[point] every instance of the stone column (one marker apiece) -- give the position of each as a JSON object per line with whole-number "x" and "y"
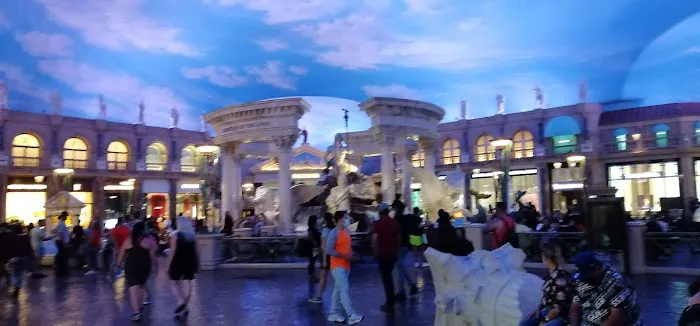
{"x": 284, "y": 156}
{"x": 635, "y": 243}
{"x": 98, "y": 199}
{"x": 597, "y": 173}
{"x": 137, "y": 197}
{"x": 3, "y": 197}
{"x": 428, "y": 147}
{"x": 172, "y": 199}
{"x": 226, "y": 161}
{"x": 545, "y": 186}
{"x": 406, "y": 169}
{"x": 687, "y": 183}
{"x": 466, "y": 190}
{"x": 387, "y": 142}
{"x": 236, "y": 183}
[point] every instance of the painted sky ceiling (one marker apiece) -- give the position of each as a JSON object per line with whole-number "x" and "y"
{"x": 199, "y": 55}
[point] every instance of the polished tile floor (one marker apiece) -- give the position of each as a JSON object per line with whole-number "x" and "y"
{"x": 260, "y": 297}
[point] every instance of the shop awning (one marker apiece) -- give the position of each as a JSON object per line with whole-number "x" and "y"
{"x": 63, "y": 201}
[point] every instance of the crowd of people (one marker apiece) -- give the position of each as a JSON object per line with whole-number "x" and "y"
{"x": 130, "y": 249}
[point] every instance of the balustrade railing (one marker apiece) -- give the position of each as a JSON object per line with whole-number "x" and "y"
{"x": 672, "y": 249}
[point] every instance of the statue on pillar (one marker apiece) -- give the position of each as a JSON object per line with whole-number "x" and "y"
{"x": 500, "y": 104}
{"x": 539, "y": 97}
{"x": 56, "y": 103}
{"x": 583, "y": 91}
{"x": 174, "y": 117}
{"x": 142, "y": 108}
{"x": 202, "y": 124}
{"x": 3, "y": 95}
{"x": 304, "y": 134}
{"x": 103, "y": 107}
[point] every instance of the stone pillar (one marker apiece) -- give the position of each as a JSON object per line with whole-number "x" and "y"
{"x": 226, "y": 161}
{"x": 688, "y": 182}
{"x": 387, "y": 142}
{"x": 284, "y": 156}
{"x": 206, "y": 249}
{"x": 406, "y": 168}
{"x": 172, "y": 199}
{"x": 545, "y": 186}
{"x": 597, "y": 173}
{"x": 466, "y": 190}
{"x": 636, "y": 248}
{"x": 98, "y": 199}
{"x": 236, "y": 183}
{"x": 428, "y": 147}
{"x": 3, "y": 197}
{"x": 137, "y": 197}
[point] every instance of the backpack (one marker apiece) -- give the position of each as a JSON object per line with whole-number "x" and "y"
{"x": 510, "y": 236}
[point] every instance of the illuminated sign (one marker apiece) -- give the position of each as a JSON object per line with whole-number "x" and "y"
{"x": 189, "y": 186}
{"x": 25, "y": 187}
{"x": 306, "y": 175}
{"x": 118, "y": 188}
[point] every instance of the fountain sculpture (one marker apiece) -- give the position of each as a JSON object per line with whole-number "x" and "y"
{"x": 486, "y": 288}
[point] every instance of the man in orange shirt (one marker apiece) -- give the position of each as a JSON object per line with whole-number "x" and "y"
{"x": 339, "y": 247}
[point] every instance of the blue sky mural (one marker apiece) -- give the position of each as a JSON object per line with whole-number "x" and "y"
{"x": 200, "y": 55}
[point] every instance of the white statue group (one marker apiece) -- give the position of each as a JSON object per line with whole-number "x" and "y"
{"x": 539, "y": 100}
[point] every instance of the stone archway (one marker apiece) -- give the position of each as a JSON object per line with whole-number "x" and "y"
{"x": 274, "y": 121}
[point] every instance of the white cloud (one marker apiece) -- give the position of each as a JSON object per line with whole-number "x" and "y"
{"x": 288, "y": 11}
{"x": 17, "y": 80}
{"x": 421, "y": 6}
{"x": 218, "y": 75}
{"x": 473, "y": 24}
{"x": 117, "y": 25}
{"x": 298, "y": 70}
{"x": 124, "y": 90}
{"x": 272, "y": 45}
{"x": 272, "y": 73}
{"x": 39, "y": 44}
{"x": 393, "y": 90}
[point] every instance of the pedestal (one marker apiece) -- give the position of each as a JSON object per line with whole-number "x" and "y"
{"x": 206, "y": 250}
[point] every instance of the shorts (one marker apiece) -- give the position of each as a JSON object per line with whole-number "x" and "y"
{"x": 328, "y": 263}
{"x": 415, "y": 240}
{"x": 180, "y": 275}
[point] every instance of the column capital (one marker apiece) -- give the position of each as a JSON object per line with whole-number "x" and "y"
{"x": 285, "y": 142}
{"x": 427, "y": 144}
{"x": 229, "y": 148}
{"x": 387, "y": 137}
{"x": 237, "y": 158}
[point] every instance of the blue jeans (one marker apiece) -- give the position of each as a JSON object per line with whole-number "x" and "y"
{"x": 18, "y": 266}
{"x": 403, "y": 264}
{"x": 340, "y": 301}
{"x": 537, "y": 318}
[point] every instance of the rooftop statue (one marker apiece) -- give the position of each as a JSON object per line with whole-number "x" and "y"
{"x": 3, "y": 95}
{"x": 56, "y": 102}
{"x": 103, "y": 107}
{"x": 539, "y": 97}
{"x": 485, "y": 288}
{"x": 174, "y": 118}
{"x": 500, "y": 104}
{"x": 142, "y": 108}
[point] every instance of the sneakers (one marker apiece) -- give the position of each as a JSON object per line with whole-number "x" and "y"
{"x": 90, "y": 272}
{"x": 136, "y": 317}
{"x": 355, "y": 319}
{"x": 315, "y": 300}
{"x": 333, "y": 318}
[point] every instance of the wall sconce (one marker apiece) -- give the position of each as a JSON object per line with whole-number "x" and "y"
{"x": 475, "y": 171}
{"x": 557, "y": 165}
{"x": 636, "y": 136}
{"x": 39, "y": 179}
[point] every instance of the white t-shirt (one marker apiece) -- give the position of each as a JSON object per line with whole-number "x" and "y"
{"x": 62, "y": 232}
{"x": 37, "y": 236}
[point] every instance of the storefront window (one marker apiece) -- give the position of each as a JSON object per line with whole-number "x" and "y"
{"x": 484, "y": 150}
{"x": 564, "y": 144}
{"x": 526, "y": 183}
{"x": 523, "y": 144}
{"x": 157, "y": 205}
{"x": 117, "y": 156}
{"x": 418, "y": 159}
{"x": 26, "y": 207}
{"x": 75, "y": 154}
{"x": 188, "y": 205}
{"x": 450, "y": 152}
{"x": 25, "y": 150}
{"x": 644, "y": 186}
{"x": 621, "y": 142}
{"x": 156, "y": 157}
{"x": 486, "y": 186}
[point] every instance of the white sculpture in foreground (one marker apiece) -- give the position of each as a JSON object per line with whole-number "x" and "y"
{"x": 486, "y": 288}
{"x": 436, "y": 194}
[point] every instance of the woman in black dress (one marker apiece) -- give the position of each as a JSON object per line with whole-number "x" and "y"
{"x": 138, "y": 254}
{"x": 182, "y": 264}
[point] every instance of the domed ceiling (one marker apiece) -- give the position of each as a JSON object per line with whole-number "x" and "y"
{"x": 200, "y": 55}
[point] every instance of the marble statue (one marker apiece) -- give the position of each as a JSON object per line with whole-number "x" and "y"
{"x": 539, "y": 97}
{"x": 56, "y": 103}
{"x": 142, "y": 108}
{"x": 305, "y": 134}
{"x": 202, "y": 124}
{"x": 582, "y": 91}
{"x": 342, "y": 166}
{"x": 174, "y": 118}
{"x": 485, "y": 288}
{"x": 500, "y": 104}
{"x": 3, "y": 95}
{"x": 103, "y": 107}
{"x": 436, "y": 194}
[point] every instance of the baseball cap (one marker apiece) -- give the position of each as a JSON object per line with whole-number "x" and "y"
{"x": 586, "y": 262}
